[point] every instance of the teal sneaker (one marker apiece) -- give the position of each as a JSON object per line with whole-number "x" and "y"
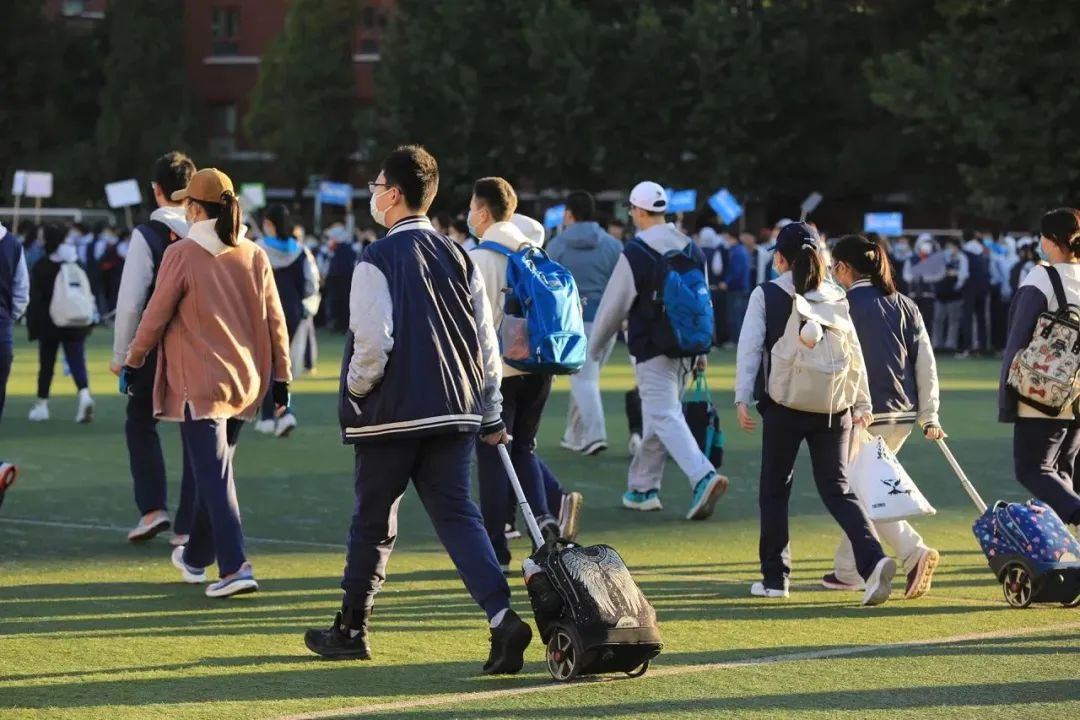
{"x": 706, "y": 493}
{"x": 642, "y": 501}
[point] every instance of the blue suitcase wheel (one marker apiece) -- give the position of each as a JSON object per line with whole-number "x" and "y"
{"x": 1017, "y": 584}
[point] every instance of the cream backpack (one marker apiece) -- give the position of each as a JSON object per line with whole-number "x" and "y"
{"x": 818, "y": 379}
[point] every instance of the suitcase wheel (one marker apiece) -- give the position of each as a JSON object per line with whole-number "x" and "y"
{"x": 1075, "y": 602}
{"x": 564, "y": 653}
{"x": 1018, "y": 586}
{"x": 639, "y": 671}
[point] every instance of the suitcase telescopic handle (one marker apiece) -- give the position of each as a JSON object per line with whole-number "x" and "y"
{"x": 523, "y": 503}
{"x": 968, "y": 487}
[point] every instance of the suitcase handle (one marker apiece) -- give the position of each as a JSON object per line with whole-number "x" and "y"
{"x": 523, "y": 503}
{"x": 968, "y": 487}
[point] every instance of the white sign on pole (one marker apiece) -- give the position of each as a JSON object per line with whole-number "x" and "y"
{"x": 18, "y": 183}
{"x": 123, "y": 193}
{"x": 39, "y": 184}
{"x": 252, "y": 195}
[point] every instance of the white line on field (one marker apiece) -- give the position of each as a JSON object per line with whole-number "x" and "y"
{"x": 469, "y": 697}
{"x": 117, "y": 528}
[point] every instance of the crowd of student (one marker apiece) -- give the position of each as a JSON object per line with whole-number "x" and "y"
{"x": 211, "y": 327}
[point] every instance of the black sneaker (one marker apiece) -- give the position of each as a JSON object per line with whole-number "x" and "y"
{"x": 508, "y": 643}
{"x": 338, "y": 643}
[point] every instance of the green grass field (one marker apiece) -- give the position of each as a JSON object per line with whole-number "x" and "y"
{"x": 92, "y": 627}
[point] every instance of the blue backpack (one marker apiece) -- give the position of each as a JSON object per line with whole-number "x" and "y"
{"x": 542, "y": 329}
{"x": 679, "y": 309}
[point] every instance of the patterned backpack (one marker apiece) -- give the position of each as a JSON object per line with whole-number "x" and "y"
{"x": 1044, "y": 374}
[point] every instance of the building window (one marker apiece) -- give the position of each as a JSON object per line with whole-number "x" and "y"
{"x": 225, "y": 30}
{"x": 74, "y": 7}
{"x": 221, "y": 128}
{"x": 369, "y": 45}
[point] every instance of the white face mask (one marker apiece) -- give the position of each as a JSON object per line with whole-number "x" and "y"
{"x": 378, "y": 215}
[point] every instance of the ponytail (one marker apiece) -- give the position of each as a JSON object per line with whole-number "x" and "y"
{"x": 807, "y": 269}
{"x": 227, "y": 226}
{"x": 867, "y": 259}
{"x": 1062, "y": 227}
{"x": 226, "y": 215}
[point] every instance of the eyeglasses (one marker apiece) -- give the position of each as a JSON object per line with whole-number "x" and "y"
{"x": 372, "y": 185}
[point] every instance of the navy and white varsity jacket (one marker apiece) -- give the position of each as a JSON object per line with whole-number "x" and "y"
{"x": 900, "y": 364}
{"x": 421, "y": 357}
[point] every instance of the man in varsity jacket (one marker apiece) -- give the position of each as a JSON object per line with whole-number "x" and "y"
{"x": 172, "y": 171}
{"x": 420, "y": 380}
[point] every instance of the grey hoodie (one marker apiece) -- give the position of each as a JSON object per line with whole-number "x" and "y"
{"x": 137, "y": 277}
{"x": 590, "y": 254}
{"x": 620, "y": 293}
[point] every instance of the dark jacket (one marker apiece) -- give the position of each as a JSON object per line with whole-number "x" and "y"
{"x": 421, "y": 357}
{"x": 38, "y": 321}
{"x": 737, "y": 269}
{"x": 900, "y": 364}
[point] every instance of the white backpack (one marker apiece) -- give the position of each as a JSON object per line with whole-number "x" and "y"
{"x": 817, "y": 379}
{"x": 72, "y": 304}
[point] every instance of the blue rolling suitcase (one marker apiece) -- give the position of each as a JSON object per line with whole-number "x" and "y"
{"x": 1030, "y": 550}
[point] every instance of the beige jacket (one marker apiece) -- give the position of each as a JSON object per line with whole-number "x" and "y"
{"x": 216, "y": 314}
{"x": 492, "y": 267}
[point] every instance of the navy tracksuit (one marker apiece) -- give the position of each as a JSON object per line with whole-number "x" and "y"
{"x": 209, "y": 447}
{"x": 828, "y": 439}
{"x": 524, "y": 397}
{"x": 1045, "y": 449}
{"x": 10, "y": 255}
{"x": 420, "y": 420}
{"x": 145, "y": 456}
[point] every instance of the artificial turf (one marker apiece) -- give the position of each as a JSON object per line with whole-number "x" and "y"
{"x": 93, "y": 627}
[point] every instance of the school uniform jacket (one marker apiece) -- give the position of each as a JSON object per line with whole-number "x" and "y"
{"x": 900, "y": 365}
{"x": 1034, "y": 297}
{"x": 766, "y": 318}
{"x": 421, "y": 357}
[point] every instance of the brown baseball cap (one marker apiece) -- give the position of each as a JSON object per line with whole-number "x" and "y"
{"x": 208, "y": 185}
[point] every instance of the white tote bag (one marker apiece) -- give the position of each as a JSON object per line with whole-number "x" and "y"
{"x": 883, "y": 487}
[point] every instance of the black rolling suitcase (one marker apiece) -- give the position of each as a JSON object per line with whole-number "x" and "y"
{"x": 592, "y": 616}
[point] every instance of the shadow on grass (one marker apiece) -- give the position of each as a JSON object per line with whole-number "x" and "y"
{"x": 942, "y": 696}
{"x": 306, "y": 677}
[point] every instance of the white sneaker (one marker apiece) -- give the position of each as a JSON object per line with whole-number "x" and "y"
{"x": 40, "y": 411}
{"x": 85, "y": 413}
{"x": 511, "y": 532}
{"x": 635, "y": 444}
{"x": 285, "y": 425}
{"x": 191, "y": 575}
{"x": 178, "y": 540}
{"x": 879, "y": 585}
{"x": 571, "y": 446}
{"x": 758, "y": 589}
{"x": 266, "y": 427}
{"x": 149, "y": 525}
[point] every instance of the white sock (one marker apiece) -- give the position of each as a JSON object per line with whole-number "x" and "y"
{"x": 497, "y": 620}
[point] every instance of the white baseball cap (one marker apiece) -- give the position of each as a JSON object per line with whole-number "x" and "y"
{"x": 649, "y": 196}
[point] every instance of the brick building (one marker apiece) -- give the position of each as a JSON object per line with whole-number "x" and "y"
{"x": 224, "y": 43}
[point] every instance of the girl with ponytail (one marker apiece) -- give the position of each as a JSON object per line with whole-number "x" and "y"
{"x": 1045, "y": 447}
{"x": 827, "y": 434}
{"x": 902, "y": 376}
{"x": 216, "y": 315}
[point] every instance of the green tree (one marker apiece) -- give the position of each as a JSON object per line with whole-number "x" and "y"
{"x": 304, "y": 107}
{"x": 144, "y": 104}
{"x": 991, "y": 94}
{"x": 30, "y": 116}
